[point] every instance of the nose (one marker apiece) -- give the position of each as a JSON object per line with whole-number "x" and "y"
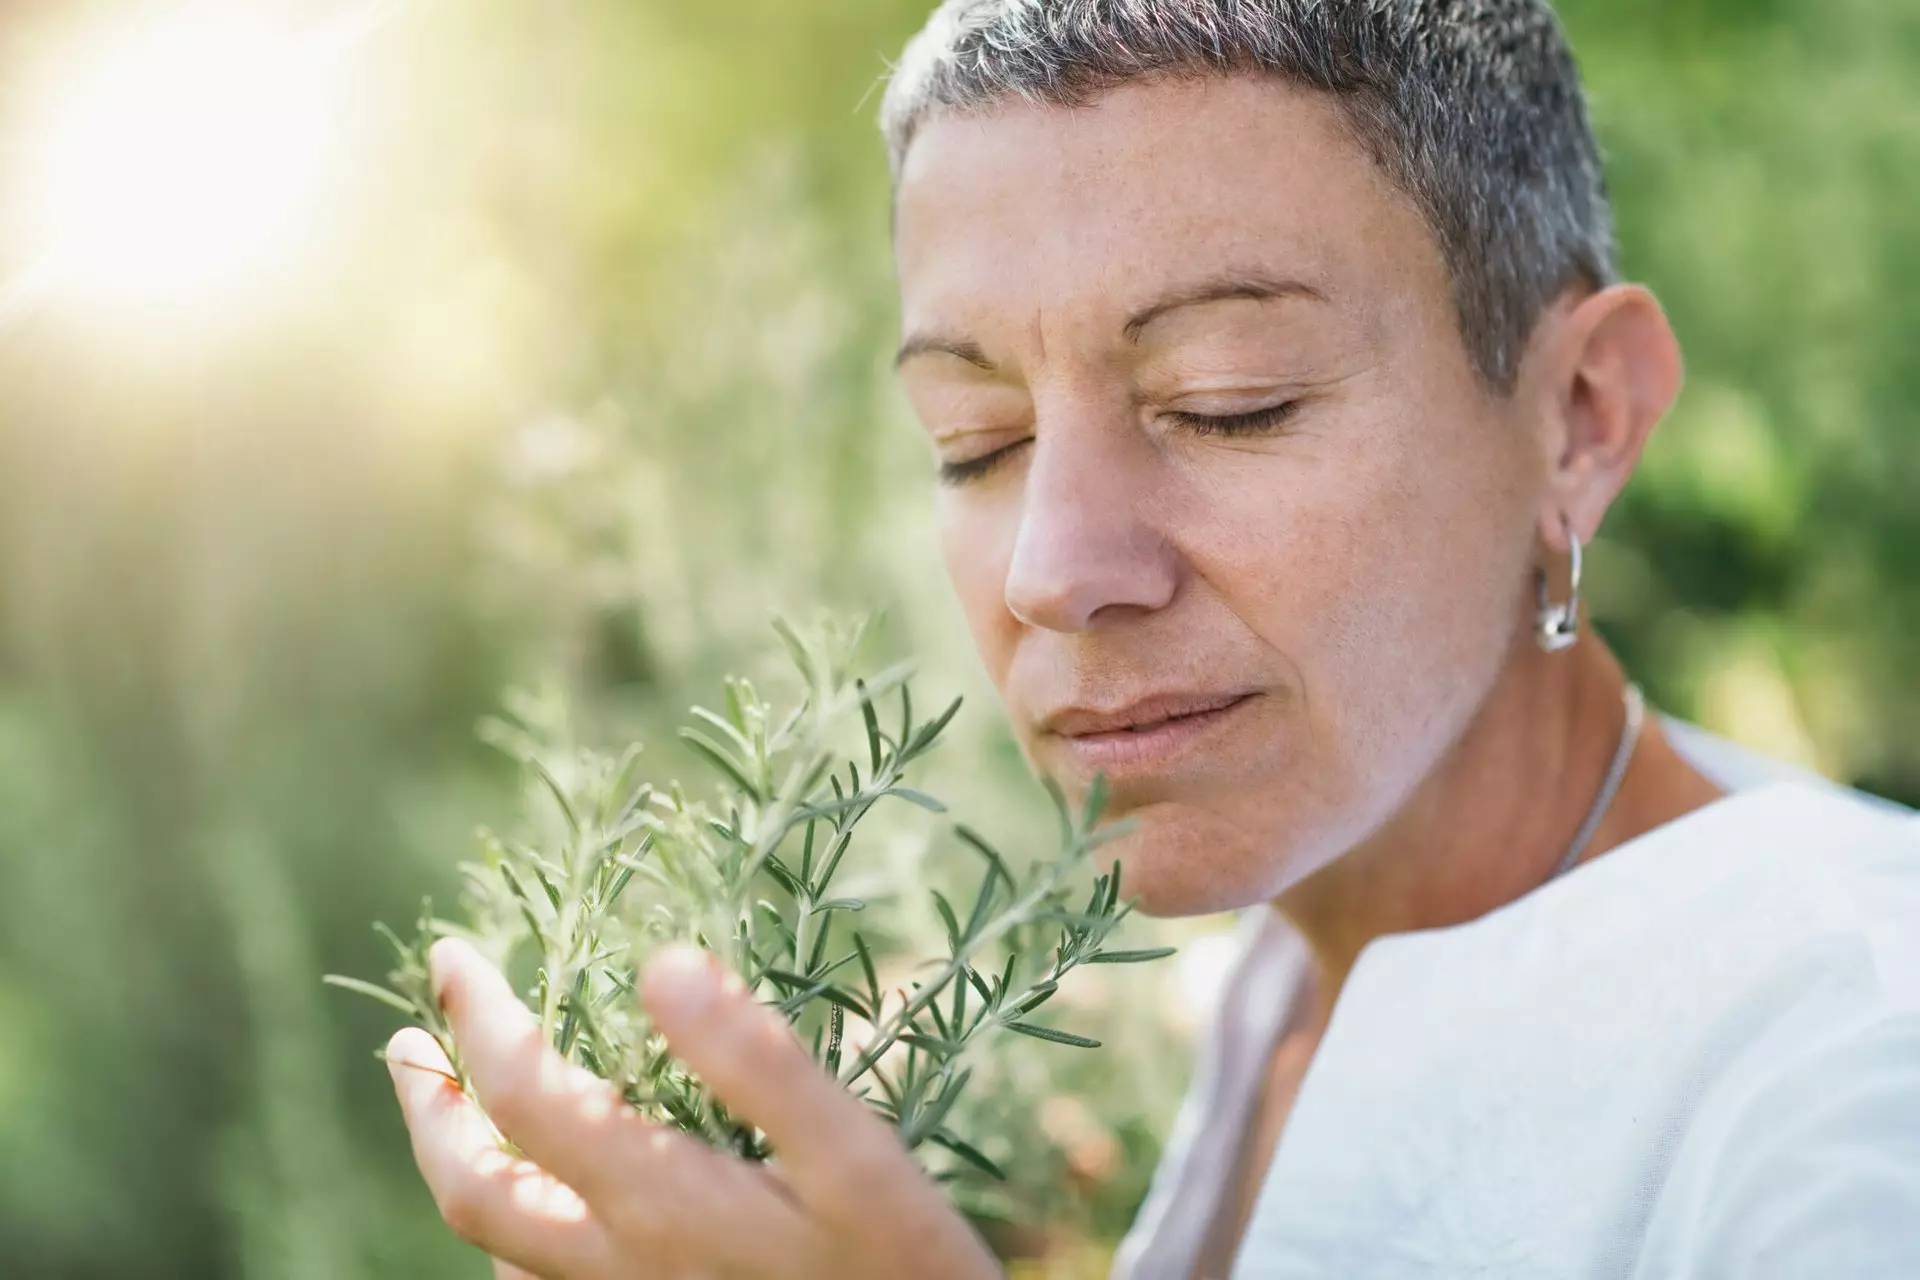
{"x": 1089, "y": 550}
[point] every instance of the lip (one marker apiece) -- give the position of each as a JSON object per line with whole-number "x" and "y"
{"x": 1144, "y": 735}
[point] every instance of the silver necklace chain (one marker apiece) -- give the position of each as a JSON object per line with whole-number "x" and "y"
{"x": 1622, "y": 755}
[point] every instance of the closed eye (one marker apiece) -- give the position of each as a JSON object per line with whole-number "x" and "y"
{"x": 1237, "y": 424}
{"x": 958, "y": 473}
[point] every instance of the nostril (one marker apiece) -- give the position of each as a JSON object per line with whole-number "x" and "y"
{"x": 1072, "y": 579}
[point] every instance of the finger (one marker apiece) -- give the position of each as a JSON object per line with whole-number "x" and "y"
{"x": 644, "y": 1183}
{"x": 507, "y": 1271}
{"x": 505, "y": 1205}
{"x": 830, "y": 1143}
{"x": 564, "y": 1117}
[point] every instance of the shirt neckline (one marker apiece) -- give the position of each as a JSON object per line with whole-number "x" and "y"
{"x": 1195, "y": 1202}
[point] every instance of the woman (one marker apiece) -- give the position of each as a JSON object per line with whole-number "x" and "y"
{"x": 1278, "y": 372}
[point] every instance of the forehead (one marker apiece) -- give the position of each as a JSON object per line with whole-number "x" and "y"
{"x": 1032, "y": 206}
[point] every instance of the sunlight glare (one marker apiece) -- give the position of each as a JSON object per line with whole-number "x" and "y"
{"x": 182, "y": 162}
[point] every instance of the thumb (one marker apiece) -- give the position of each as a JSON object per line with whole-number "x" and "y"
{"x": 749, "y": 1056}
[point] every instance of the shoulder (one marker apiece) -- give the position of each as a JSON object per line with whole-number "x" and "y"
{"x": 1803, "y": 1156}
{"x": 1842, "y": 869}
{"x": 1810, "y": 1167}
{"x": 1772, "y": 885}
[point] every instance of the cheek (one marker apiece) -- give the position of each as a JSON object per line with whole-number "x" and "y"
{"x": 977, "y": 550}
{"x": 1384, "y": 567}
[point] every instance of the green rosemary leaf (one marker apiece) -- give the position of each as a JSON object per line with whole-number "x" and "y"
{"x": 402, "y": 949}
{"x": 982, "y": 907}
{"x": 571, "y": 1008}
{"x": 513, "y": 881}
{"x": 968, "y": 1152}
{"x": 867, "y": 970}
{"x": 818, "y": 951}
{"x": 558, "y": 792}
{"x": 796, "y": 648}
{"x": 714, "y": 754}
{"x": 978, "y": 843}
{"x": 553, "y": 893}
{"x": 979, "y": 984}
{"x": 830, "y": 808}
{"x": 794, "y": 1003}
{"x": 871, "y": 718}
{"x": 727, "y": 727}
{"x": 1033, "y": 999}
{"x": 736, "y": 691}
{"x": 934, "y": 1114}
{"x": 930, "y": 732}
{"x": 920, "y": 798}
{"x": 841, "y": 998}
{"x": 524, "y": 900}
{"x": 1039, "y": 1032}
{"x": 842, "y": 842}
{"x": 374, "y": 991}
{"x": 1069, "y": 919}
{"x": 1129, "y": 957}
{"x": 947, "y": 918}
{"x": 641, "y": 864}
{"x": 932, "y": 1044}
{"x": 890, "y": 1095}
{"x": 622, "y": 877}
{"x": 1096, "y": 803}
{"x": 783, "y": 877}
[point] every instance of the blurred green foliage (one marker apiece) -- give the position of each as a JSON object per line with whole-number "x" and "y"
{"x": 584, "y": 380}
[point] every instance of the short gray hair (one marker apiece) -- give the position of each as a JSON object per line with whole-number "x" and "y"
{"x": 1473, "y": 107}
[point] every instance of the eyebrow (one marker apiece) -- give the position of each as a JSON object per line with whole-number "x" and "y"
{"x": 1218, "y": 289}
{"x": 933, "y": 344}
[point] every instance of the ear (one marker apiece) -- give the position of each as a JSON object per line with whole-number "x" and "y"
{"x": 1610, "y": 372}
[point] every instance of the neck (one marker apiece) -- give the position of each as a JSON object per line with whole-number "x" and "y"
{"x": 1496, "y": 817}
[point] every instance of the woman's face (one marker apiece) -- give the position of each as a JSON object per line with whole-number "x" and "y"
{"x": 1230, "y": 515}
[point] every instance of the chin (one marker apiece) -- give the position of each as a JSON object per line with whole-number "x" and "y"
{"x": 1181, "y": 861}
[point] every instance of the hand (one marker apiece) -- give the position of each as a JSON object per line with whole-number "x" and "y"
{"x": 604, "y": 1195}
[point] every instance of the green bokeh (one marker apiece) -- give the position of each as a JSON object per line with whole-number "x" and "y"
{"x": 583, "y": 379}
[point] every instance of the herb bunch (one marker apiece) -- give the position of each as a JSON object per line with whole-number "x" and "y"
{"x": 753, "y": 873}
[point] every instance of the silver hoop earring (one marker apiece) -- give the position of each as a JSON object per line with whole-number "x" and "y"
{"x": 1557, "y": 626}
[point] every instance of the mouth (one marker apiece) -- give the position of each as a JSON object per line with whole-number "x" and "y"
{"x": 1146, "y": 736}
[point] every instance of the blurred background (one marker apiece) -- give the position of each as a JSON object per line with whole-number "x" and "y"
{"x": 362, "y": 360}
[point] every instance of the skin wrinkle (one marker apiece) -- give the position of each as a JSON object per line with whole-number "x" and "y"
{"x": 1366, "y": 566}
{"x": 1406, "y": 757}
{"x": 1322, "y": 544}
{"x": 1473, "y": 110}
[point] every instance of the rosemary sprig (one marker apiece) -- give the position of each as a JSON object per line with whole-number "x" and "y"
{"x": 750, "y": 872}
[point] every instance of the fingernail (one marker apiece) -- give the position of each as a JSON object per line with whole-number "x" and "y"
{"x": 681, "y": 982}
{"x": 399, "y": 1059}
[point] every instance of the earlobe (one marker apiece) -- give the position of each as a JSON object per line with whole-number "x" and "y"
{"x": 1620, "y": 373}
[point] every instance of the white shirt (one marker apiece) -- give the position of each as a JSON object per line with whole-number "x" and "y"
{"x": 1697, "y": 1056}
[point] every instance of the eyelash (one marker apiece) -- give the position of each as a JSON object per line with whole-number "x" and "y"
{"x": 1237, "y": 424}
{"x": 959, "y": 473}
